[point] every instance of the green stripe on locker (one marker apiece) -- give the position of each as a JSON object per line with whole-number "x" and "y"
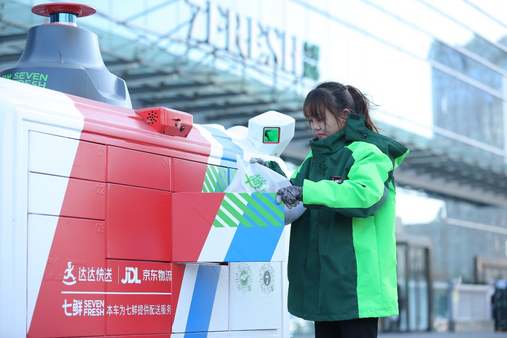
{"x": 216, "y": 179}
{"x": 249, "y": 210}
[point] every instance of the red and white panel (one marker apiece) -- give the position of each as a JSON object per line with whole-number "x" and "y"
{"x": 26, "y": 111}
{"x": 139, "y": 298}
{"x": 70, "y": 297}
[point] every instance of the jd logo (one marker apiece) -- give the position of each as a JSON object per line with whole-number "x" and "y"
{"x": 130, "y": 276}
{"x": 256, "y": 181}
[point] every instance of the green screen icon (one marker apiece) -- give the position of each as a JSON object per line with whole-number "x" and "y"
{"x": 271, "y": 135}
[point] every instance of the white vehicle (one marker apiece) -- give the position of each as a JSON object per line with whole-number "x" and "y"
{"x": 115, "y": 221}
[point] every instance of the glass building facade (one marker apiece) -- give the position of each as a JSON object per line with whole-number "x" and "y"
{"x": 436, "y": 69}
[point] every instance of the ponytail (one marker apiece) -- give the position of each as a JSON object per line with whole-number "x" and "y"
{"x": 362, "y": 106}
{"x": 336, "y": 97}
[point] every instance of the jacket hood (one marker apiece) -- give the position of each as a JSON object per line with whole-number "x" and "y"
{"x": 355, "y": 130}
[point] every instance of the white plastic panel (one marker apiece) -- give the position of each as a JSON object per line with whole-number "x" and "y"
{"x": 51, "y": 154}
{"x": 41, "y": 231}
{"x": 203, "y": 303}
{"x": 46, "y": 194}
{"x": 256, "y": 295}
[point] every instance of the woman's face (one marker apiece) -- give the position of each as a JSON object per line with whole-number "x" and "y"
{"x": 329, "y": 126}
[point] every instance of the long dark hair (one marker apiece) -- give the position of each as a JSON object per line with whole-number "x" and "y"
{"x": 336, "y": 97}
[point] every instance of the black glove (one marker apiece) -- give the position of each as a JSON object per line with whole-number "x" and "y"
{"x": 291, "y": 196}
{"x": 260, "y": 161}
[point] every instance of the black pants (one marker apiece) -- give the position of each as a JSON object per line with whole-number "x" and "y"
{"x": 355, "y": 328}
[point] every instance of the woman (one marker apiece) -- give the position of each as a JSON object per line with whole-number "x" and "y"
{"x": 342, "y": 254}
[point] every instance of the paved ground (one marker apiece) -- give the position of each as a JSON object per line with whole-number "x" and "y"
{"x": 444, "y": 335}
{"x": 435, "y": 335}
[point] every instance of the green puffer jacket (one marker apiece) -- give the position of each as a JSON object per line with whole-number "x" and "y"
{"x": 342, "y": 257}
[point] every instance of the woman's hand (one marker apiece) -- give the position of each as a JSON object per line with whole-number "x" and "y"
{"x": 291, "y": 196}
